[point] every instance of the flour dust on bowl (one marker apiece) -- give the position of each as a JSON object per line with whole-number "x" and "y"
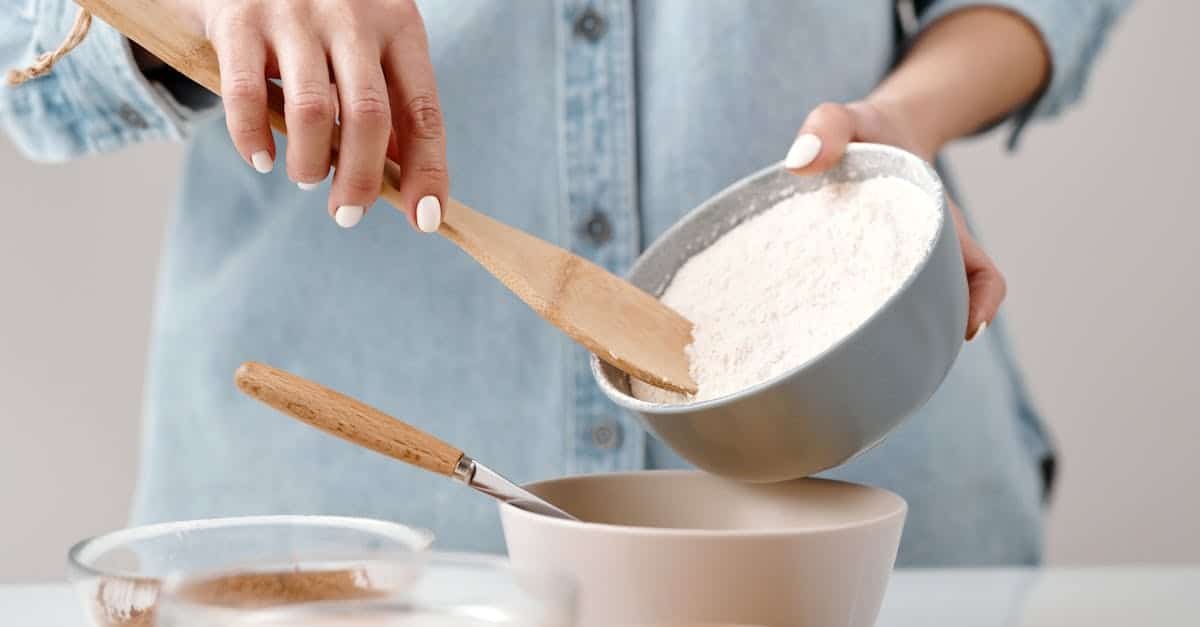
{"x": 680, "y": 547}
{"x": 118, "y": 576}
{"x": 812, "y": 347}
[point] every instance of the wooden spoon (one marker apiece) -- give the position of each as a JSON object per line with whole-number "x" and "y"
{"x": 359, "y": 423}
{"x": 622, "y": 325}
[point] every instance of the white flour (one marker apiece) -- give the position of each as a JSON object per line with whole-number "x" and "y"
{"x": 790, "y": 282}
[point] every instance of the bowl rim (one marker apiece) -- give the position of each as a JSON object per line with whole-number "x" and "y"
{"x": 899, "y": 509}
{"x": 78, "y": 556}
{"x": 628, "y": 401}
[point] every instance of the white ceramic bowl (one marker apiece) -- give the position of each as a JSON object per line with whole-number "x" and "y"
{"x": 676, "y": 547}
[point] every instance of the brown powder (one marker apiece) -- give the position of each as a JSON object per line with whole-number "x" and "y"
{"x": 116, "y": 599}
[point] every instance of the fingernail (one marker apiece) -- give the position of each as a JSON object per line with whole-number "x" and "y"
{"x": 262, "y": 161}
{"x": 308, "y": 187}
{"x": 803, "y": 151}
{"x": 429, "y": 214}
{"x": 347, "y": 216}
{"x": 978, "y": 331}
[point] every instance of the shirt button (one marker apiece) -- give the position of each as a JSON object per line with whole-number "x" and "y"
{"x": 590, "y": 25}
{"x": 598, "y": 229}
{"x": 606, "y": 435}
{"x": 131, "y": 117}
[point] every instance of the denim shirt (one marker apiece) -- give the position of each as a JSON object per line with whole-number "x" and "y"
{"x": 594, "y": 124}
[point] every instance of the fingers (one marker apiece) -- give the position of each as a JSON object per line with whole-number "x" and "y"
{"x": 421, "y": 138}
{"x": 374, "y": 82}
{"x": 365, "y": 117}
{"x": 308, "y": 104}
{"x": 242, "y": 55}
{"x": 822, "y": 140}
{"x": 393, "y": 151}
{"x": 986, "y": 285}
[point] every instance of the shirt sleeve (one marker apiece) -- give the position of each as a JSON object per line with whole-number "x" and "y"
{"x": 95, "y": 99}
{"x": 1074, "y": 31}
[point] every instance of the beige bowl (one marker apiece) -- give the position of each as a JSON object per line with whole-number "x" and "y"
{"x": 677, "y": 547}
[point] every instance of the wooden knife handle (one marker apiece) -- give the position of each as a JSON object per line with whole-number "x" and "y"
{"x": 349, "y": 419}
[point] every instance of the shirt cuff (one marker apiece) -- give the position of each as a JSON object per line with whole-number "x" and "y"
{"x": 1073, "y": 32}
{"x": 95, "y": 99}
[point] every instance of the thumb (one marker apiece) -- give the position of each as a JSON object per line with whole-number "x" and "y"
{"x": 822, "y": 140}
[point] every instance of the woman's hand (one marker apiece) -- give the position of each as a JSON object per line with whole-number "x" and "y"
{"x": 365, "y": 63}
{"x": 822, "y": 142}
{"x": 966, "y": 69}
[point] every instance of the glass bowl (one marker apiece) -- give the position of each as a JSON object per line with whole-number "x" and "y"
{"x": 423, "y": 589}
{"x": 118, "y": 575}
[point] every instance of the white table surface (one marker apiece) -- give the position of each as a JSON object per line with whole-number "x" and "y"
{"x": 1097, "y": 597}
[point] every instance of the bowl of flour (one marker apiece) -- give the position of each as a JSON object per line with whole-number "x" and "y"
{"x": 827, "y": 309}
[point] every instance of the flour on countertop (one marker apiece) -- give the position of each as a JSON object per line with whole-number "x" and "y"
{"x": 788, "y": 283}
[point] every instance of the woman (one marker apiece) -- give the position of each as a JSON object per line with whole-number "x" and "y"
{"x": 592, "y": 124}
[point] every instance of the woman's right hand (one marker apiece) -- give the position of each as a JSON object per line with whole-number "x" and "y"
{"x": 364, "y": 62}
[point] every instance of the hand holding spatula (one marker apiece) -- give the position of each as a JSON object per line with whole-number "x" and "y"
{"x": 620, "y": 324}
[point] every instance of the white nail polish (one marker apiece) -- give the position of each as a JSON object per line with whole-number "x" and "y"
{"x": 429, "y": 214}
{"x": 803, "y": 151}
{"x": 979, "y": 331}
{"x": 347, "y": 216}
{"x": 262, "y": 161}
{"x": 308, "y": 187}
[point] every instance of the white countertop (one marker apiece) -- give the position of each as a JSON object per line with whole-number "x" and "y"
{"x": 1095, "y": 597}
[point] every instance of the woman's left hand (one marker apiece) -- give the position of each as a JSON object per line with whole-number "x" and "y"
{"x": 822, "y": 142}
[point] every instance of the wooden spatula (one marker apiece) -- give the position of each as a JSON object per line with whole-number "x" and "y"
{"x": 620, "y": 324}
{"x": 359, "y": 423}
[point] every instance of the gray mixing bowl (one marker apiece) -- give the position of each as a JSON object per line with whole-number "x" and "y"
{"x": 843, "y": 401}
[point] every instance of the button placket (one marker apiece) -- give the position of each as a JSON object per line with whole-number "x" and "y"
{"x": 598, "y": 229}
{"x": 590, "y": 25}
{"x": 599, "y": 152}
{"x": 606, "y": 434}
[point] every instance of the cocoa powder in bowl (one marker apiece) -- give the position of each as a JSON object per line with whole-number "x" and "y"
{"x": 132, "y": 603}
{"x": 241, "y": 561}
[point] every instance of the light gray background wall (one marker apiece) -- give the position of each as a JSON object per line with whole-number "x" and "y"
{"x": 1094, "y": 222}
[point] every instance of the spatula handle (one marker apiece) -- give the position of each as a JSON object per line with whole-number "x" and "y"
{"x": 349, "y": 419}
{"x": 585, "y": 301}
{"x": 155, "y": 28}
